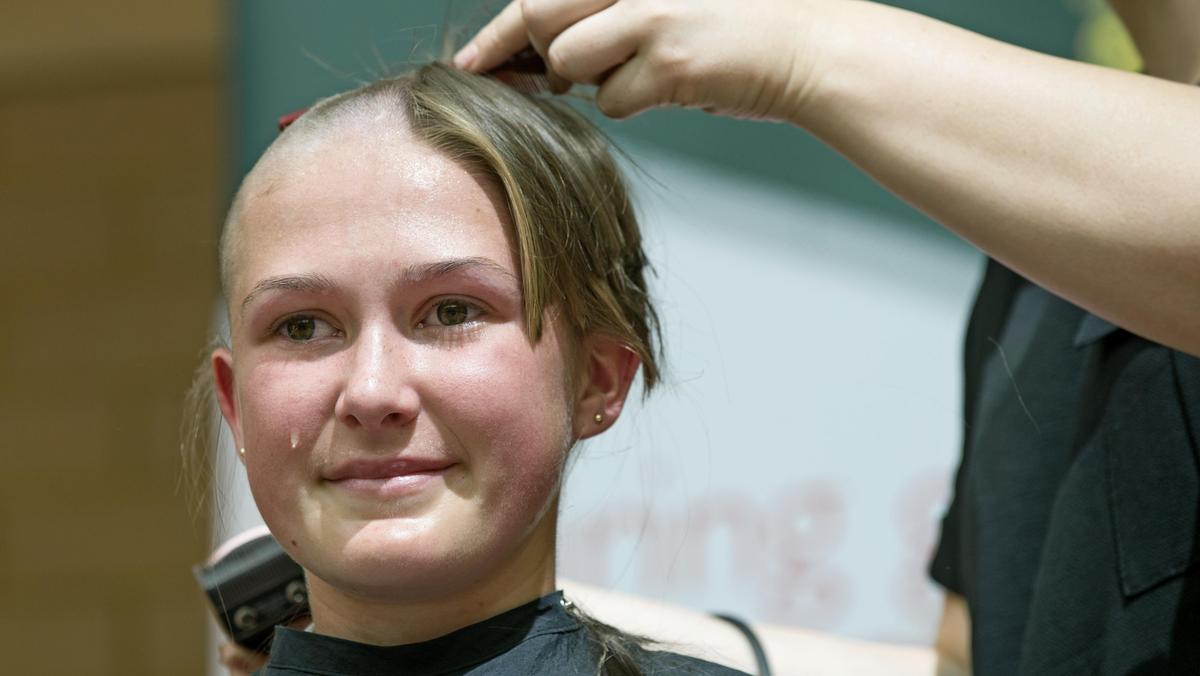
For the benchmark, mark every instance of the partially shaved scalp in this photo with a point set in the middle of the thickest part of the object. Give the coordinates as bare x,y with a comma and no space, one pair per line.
578,245
341,114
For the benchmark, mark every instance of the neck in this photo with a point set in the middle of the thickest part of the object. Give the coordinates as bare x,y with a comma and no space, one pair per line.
527,575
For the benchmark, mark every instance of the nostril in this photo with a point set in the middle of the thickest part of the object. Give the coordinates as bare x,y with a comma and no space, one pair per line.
374,408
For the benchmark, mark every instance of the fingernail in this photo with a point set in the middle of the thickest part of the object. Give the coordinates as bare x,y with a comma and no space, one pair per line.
466,56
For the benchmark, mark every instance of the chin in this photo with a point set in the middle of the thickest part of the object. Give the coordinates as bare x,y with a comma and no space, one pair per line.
402,560
425,553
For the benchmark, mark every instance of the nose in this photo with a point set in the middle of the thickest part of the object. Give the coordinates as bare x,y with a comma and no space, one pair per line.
378,392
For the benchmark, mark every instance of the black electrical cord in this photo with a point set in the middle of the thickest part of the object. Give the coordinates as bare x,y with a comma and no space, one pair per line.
760,654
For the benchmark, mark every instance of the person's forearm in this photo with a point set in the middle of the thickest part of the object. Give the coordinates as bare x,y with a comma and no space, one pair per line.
790,650
1079,177
813,653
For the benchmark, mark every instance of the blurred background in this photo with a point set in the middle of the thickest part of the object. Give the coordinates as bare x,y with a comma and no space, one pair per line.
793,469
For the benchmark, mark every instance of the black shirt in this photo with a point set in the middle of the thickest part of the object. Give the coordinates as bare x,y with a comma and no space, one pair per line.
540,637
1073,529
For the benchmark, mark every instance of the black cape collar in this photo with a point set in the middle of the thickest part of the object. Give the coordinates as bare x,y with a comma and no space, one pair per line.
294,650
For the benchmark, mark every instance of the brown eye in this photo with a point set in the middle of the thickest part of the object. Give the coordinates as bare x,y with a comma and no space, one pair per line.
452,313
300,328
305,329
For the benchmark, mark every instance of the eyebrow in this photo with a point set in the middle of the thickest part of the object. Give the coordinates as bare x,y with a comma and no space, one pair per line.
413,274
306,282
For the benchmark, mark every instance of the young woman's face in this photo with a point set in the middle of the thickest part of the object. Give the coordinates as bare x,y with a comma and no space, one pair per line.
402,434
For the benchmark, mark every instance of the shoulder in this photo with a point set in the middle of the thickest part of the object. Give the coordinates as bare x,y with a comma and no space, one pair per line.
664,663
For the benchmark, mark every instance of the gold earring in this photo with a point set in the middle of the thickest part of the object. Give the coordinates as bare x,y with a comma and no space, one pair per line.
599,418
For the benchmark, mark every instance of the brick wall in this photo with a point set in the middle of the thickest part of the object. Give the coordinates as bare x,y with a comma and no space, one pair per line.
112,157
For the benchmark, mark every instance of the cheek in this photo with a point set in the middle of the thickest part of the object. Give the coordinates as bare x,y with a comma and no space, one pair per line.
285,405
511,409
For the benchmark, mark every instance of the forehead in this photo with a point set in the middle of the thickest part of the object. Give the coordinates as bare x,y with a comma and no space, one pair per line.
364,192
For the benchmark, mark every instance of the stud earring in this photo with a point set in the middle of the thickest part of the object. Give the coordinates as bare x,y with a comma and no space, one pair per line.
599,418
242,451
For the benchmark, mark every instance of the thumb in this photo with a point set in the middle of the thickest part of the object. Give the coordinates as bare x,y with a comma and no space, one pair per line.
502,37
630,90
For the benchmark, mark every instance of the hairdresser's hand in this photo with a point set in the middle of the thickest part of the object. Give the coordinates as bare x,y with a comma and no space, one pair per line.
243,661
751,58
240,661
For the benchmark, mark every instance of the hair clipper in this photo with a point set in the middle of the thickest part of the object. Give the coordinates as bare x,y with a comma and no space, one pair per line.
253,585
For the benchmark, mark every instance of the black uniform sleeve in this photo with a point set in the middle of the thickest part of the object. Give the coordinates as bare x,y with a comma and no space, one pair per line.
945,568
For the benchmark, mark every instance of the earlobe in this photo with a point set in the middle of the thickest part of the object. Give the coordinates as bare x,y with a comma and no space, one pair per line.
609,367
223,387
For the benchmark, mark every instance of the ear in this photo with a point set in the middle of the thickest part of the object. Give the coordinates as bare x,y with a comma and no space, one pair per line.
223,386
607,370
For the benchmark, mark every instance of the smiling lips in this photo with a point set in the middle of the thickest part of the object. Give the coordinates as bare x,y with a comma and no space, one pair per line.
387,477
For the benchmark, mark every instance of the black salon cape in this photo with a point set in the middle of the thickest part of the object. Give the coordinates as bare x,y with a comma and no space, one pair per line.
536,638
1073,528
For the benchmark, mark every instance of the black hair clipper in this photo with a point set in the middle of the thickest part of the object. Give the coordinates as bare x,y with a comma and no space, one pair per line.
253,585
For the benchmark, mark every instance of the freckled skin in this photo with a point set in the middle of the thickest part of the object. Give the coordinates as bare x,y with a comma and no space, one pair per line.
356,208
